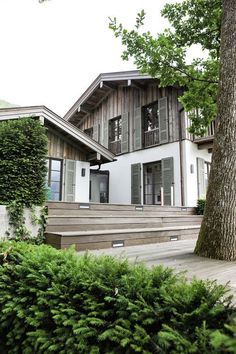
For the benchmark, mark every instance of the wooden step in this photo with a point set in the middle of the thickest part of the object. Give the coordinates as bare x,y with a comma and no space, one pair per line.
107,226
111,219
96,239
52,206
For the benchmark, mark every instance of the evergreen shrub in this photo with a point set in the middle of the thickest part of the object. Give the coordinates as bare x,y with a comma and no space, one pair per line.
23,152
58,302
200,206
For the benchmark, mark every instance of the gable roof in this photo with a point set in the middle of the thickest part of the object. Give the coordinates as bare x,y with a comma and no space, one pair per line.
100,88
79,137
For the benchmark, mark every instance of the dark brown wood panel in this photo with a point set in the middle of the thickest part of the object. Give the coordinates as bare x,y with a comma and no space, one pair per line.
59,147
126,99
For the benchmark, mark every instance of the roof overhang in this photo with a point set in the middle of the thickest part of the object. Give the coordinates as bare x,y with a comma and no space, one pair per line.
101,87
96,153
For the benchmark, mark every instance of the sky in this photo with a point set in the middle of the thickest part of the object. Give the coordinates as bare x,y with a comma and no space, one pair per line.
51,52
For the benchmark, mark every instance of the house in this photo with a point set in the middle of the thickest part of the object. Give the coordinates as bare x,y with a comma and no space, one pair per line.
144,125
71,153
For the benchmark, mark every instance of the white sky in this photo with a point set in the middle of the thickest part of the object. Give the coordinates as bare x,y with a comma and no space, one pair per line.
51,52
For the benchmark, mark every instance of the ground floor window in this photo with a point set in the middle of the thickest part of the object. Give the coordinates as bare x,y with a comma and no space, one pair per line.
54,179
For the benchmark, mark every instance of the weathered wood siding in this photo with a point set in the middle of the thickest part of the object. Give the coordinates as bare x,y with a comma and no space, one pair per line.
60,148
127,100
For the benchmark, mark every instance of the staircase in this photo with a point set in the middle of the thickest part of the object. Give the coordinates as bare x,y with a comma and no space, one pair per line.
96,226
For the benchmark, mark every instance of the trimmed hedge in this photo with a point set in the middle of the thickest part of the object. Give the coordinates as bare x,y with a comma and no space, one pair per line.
57,302
200,206
23,152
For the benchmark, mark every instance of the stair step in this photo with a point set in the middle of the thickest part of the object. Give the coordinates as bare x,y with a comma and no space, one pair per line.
95,239
80,227
135,213
115,207
70,220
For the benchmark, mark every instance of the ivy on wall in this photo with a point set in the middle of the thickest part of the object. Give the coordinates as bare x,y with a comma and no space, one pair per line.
23,151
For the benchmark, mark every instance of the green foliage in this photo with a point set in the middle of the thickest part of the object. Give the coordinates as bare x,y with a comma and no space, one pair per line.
192,22
200,206
58,302
23,151
18,230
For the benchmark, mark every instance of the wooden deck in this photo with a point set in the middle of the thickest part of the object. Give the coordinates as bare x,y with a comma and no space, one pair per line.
97,226
179,255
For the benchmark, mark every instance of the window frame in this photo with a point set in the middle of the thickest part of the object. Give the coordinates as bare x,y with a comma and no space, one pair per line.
154,133
49,181
115,135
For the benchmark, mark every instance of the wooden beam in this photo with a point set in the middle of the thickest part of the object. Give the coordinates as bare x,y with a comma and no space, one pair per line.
107,85
84,108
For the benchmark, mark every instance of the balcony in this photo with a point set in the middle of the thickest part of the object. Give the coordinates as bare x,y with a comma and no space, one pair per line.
151,137
115,147
206,141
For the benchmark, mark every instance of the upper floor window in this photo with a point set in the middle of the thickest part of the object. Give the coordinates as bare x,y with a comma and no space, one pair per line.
115,135
151,124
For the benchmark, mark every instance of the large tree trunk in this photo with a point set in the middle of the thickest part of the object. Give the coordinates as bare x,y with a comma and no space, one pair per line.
217,237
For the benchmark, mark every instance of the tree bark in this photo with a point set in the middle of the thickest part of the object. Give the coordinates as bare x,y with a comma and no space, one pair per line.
217,237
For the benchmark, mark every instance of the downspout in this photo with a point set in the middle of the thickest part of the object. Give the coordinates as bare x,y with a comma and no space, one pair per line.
181,158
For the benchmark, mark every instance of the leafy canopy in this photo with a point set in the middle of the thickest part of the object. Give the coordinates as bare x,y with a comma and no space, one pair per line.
165,56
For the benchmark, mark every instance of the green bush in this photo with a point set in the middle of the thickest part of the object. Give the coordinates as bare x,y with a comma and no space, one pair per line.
57,302
23,152
200,206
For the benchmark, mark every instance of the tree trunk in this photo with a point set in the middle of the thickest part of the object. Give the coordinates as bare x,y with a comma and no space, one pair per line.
217,237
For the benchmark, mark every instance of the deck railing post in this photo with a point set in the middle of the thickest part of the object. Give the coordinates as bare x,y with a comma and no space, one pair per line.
162,196
172,195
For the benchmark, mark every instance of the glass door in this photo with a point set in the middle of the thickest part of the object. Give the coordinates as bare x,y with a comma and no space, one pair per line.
152,183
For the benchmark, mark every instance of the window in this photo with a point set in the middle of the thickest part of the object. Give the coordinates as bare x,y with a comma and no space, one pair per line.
89,132
151,124
54,178
115,135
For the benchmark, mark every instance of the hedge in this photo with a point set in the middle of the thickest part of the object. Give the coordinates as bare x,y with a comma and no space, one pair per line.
57,302
23,152
200,206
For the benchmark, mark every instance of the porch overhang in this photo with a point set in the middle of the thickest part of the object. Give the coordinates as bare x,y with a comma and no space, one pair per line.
96,153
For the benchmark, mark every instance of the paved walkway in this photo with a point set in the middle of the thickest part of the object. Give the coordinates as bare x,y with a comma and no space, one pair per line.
178,255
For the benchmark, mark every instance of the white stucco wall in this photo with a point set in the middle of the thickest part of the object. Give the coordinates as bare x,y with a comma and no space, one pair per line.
120,171
190,154
4,222
82,183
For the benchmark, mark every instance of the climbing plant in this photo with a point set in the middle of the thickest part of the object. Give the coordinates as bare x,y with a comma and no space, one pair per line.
23,152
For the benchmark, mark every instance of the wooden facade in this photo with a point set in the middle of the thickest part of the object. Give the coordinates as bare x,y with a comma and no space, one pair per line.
128,102
59,147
